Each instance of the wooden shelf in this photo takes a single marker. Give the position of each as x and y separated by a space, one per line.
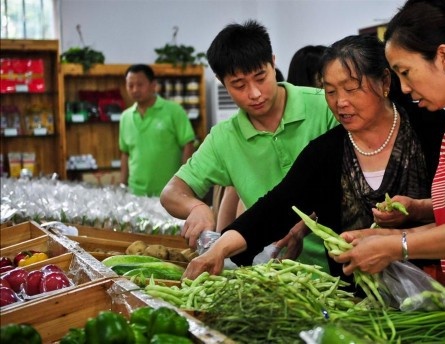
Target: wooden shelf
63 81
50 150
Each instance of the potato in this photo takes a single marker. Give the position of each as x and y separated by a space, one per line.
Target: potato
136 247
158 251
176 256
189 254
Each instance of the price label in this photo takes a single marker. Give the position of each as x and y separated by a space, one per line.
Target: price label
40 131
78 118
115 117
11 132
21 88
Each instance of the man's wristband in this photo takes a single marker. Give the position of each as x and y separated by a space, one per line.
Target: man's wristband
196 205
404 247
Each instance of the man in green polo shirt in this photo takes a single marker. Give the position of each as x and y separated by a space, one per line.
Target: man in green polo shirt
155 135
254 149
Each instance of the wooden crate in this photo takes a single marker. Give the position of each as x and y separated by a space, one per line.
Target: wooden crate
80 269
47 243
166 240
57 314
92 244
14 234
104 248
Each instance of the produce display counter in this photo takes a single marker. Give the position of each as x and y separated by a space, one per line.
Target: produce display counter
94 286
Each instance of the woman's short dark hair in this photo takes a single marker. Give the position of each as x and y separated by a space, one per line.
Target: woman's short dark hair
305 65
362 54
419 26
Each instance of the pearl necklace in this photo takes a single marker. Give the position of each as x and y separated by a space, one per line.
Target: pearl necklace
378 150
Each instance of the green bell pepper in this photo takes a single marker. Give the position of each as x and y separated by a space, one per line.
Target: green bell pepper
160 320
164 338
74 336
167 320
140 334
108 328
19 334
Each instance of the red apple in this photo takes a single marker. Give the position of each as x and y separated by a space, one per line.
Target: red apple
32 283
7 296
4 283
50 268
6 268
5 261
53 281
16 278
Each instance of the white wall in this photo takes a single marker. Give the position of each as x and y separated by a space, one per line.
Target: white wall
128 31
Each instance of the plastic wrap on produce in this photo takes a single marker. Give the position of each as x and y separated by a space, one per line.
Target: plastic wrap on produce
85 268
108 207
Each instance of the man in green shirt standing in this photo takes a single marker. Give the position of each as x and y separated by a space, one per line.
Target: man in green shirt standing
155 135
254 149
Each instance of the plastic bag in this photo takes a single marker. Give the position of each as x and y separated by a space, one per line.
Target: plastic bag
205 240
269 252
331 334
409 288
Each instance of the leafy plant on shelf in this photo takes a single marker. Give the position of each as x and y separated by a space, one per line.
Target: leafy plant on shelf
179 54
85 56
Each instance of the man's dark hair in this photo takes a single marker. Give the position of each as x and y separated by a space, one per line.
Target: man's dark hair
147 70
240 47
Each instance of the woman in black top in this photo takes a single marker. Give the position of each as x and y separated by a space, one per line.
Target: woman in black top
341 175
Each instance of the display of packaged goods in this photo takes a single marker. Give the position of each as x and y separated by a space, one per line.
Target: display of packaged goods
111 109
10 119
39 120
81 111
47 199
22 75
15 164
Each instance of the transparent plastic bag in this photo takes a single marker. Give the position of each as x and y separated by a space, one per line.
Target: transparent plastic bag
269 252
409 288
205 240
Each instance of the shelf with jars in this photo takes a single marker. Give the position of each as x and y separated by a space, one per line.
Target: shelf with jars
32 127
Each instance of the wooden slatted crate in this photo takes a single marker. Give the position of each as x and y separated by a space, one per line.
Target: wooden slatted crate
71 309
14 234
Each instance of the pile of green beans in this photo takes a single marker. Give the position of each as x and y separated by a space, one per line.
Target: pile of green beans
336 245
294 277
274 302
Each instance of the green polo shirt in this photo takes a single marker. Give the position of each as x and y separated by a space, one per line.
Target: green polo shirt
253 161
154 144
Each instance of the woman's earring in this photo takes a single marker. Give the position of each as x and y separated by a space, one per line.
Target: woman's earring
385 94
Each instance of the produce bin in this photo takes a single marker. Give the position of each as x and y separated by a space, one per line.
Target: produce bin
47 243
14 234
166 240
79 268
70 309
